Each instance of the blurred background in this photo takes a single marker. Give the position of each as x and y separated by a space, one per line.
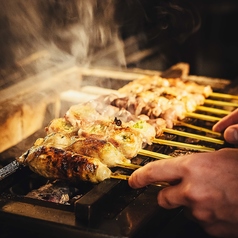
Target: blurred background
155 34
200 32
213 50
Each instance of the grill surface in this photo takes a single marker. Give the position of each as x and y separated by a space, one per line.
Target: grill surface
109 209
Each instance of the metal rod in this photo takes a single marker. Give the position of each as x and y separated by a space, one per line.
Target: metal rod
8 169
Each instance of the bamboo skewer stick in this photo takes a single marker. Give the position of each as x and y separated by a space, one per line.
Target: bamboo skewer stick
153 154
213 110
224 95
126 177
128 166
220 103
182 145
202 117
194 136
181 123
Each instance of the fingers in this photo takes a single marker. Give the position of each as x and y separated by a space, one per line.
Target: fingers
227 121
229 125
157 171
171 197
231 134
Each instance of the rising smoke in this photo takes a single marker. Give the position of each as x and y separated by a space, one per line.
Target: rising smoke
87 32
74 29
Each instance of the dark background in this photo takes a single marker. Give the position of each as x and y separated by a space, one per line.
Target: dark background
199 32
211 49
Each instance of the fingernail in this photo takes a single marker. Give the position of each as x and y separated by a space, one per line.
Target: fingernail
234 134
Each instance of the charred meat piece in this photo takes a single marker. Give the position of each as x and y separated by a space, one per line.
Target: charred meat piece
126 139
54 163
101 149
61 146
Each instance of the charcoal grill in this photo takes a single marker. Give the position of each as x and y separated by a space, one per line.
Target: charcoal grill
108 209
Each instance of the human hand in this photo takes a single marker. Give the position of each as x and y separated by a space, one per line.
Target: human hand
229 125
206 185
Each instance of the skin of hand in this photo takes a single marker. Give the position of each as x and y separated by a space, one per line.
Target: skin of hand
205 184
229 126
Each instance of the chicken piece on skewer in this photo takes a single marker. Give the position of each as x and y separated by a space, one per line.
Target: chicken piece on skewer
132 104
127 140
106 125
152 82
191 87
54 163
154 107
173 95
145 128
144 84
103 150
61 125
59 140
83 113
159 124
96 110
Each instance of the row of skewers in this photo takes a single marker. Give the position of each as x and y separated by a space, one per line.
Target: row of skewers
96 136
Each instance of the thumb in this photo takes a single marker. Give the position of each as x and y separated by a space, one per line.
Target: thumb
231 134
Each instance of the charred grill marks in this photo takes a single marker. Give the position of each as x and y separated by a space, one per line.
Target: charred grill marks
60 164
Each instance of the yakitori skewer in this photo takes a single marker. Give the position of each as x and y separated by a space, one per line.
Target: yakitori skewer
194 136
213 110
203 117
126 177
224 95
182 145
152 154
199 128
128 166
220 103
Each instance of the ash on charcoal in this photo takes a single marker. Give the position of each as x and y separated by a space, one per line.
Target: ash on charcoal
56 192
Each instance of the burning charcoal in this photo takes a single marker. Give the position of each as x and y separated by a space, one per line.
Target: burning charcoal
56 192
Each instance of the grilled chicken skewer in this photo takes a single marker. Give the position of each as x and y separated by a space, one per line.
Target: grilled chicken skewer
156 82
103 150
169 106
55 163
